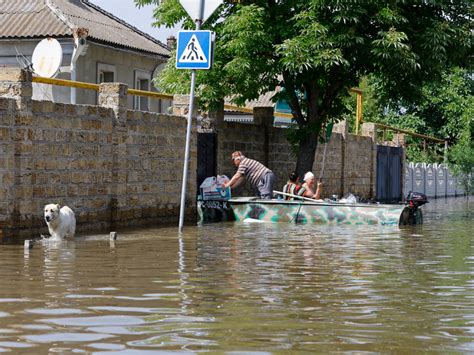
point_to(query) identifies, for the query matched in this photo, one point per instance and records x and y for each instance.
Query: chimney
(171, 42)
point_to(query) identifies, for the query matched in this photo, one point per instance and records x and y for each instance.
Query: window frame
(141, 74)
(106, 68)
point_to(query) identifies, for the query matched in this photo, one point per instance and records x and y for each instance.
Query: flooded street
(247, 288)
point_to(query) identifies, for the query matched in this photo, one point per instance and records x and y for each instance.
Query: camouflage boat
(313, 212)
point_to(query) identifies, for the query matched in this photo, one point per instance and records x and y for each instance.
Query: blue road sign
(194, 50)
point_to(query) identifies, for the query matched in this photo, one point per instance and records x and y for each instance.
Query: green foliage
(462, 164)
(317, 49)
(443, 109)
(461, 158)
(448, 106)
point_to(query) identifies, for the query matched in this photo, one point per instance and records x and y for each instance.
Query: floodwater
(248, 288)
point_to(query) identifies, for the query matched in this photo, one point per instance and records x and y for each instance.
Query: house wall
(114, 167)
(125, 62)
(14, 53)
(359, 165)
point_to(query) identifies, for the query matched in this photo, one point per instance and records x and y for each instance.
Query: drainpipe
(446, 151)
(80, 45)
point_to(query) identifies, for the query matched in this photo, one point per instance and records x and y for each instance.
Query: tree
(444, 109)
(315, 50)
(462, 164)
(461, 157)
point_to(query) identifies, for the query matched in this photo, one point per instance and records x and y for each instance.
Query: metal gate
(389, 174)
(206, 156)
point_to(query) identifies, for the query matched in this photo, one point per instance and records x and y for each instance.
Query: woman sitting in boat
(309, 185)
(293, 187)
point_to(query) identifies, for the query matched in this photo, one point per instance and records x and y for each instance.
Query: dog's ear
(58, 206)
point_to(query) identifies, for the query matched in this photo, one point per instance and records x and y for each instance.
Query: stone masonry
(114, 167)
(350, 163)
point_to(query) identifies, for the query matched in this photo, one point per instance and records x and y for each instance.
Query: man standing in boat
(259, 176)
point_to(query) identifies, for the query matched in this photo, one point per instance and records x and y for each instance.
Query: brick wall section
(332, 174)
(359, 166)
(244, 137)
(282, 158)
(119, 168)
(349, 165)
(113, 167)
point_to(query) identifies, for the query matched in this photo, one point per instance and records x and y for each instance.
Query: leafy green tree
(461, 158)
(443, 109)
(317, 49)
(462, 164)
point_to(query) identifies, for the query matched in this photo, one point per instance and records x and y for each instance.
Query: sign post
(194, 52)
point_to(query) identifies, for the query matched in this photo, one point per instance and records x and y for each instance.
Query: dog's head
(51, 212)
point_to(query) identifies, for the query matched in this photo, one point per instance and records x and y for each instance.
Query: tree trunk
(307, 150)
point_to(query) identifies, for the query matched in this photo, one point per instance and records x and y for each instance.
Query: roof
(58, 18)
(264, 100)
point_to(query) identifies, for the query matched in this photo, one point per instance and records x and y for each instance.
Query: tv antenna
(47, 58)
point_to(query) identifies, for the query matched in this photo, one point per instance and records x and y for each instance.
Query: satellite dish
(156, 72)
(47, 57)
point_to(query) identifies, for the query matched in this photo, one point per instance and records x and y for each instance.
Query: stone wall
(114, 167)
(349, 167)
(360, 156)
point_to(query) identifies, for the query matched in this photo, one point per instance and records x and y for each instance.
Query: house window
(142, 82)
(105, 73)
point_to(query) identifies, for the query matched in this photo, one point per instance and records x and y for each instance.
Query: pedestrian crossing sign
(194, 50)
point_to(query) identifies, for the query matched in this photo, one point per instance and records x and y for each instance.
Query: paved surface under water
(262, 288)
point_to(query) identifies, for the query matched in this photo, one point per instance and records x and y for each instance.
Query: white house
(97, 47)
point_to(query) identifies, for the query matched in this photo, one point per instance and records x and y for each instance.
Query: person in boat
(310, 184)
(293, 186)
(259, 176)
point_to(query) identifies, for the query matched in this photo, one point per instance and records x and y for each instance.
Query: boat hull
(307, 212)
(304, 212)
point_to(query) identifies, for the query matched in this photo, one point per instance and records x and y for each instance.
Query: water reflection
(247, 288)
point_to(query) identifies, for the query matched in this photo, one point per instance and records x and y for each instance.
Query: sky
(141, 18)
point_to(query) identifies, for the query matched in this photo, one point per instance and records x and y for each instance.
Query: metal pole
(445, 151)
(73, 90)
(186, 152)
(188, 132)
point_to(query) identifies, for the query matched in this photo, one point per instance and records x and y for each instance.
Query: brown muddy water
(248, 288)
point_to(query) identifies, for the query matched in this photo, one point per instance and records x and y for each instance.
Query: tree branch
(294, 102)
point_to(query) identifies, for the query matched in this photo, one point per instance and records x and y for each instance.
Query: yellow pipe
(150, 94)
(238, 108)
(385, 127)
(356, 90)
(63, 82)
(90, 86)
(359, 94)
(284, 115)
(250, 110)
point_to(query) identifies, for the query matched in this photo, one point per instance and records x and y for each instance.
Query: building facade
(97, 47)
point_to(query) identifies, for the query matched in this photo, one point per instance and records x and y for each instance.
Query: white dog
(61, 221)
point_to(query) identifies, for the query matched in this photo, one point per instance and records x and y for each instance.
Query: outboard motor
(412, 215)
(416, 199)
